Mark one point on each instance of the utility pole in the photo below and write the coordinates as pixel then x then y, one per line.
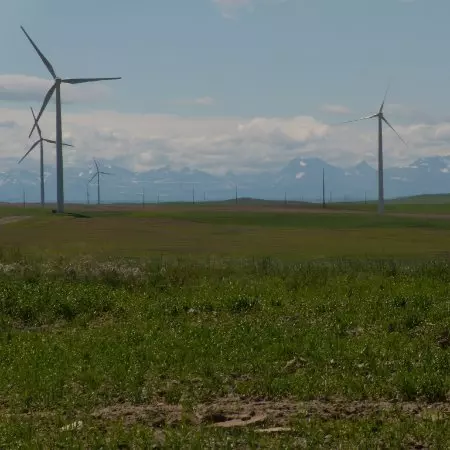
pixel 193 194
pixel 23 197
pixel 157 198
pixel 323 188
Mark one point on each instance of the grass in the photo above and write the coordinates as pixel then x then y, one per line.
pixel 201 234
pixel 144 326
pixel 79 337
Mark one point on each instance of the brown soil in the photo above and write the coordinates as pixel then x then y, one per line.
pixel 235 412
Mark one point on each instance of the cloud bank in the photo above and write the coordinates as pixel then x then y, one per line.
pixel 219 144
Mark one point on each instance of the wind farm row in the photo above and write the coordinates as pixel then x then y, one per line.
pixel 56 89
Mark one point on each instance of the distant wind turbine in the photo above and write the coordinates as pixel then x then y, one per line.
pixel 41 141
pixel 142 194
pixel 56 87
pixel 97 174
pixel 381 119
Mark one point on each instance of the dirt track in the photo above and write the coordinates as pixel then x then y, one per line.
pixel 12 219
pixel 236 412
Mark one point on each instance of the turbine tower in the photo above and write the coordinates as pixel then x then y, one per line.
pixel 40 141
pixel 97 174
pixel 56 87
pixel 381 118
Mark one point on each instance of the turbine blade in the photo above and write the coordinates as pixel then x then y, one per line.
pixel 393 129
pixel 51 141
pixel 87 80
pixel 361 118
pixel 32 112
pixel 385 95
pixel 29 151
pixel 106 173
pixel 96 165
pixel 44 105
pixel 36 122
pixel 93 176
pixel 44 59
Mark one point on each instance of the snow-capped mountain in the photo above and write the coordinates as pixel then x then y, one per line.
pixel 300 179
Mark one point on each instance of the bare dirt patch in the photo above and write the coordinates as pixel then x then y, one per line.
pixel 235 412
pixel 12 219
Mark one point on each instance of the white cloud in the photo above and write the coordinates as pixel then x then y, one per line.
pixel 218 144
pixel 204 101
pixel 23 88
pixel 335 109
pixel 229 8
pixel 200 101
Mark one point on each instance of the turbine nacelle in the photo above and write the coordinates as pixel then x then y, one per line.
pixel 41 139
pixel 98 172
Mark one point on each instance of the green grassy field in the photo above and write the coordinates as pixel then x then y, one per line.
pixel 204 233
pixel 185 328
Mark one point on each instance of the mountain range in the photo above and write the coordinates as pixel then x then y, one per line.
pixel 300 179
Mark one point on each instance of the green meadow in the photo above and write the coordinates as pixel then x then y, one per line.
pixel 202 327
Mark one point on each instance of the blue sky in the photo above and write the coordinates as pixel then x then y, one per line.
pixel 239 61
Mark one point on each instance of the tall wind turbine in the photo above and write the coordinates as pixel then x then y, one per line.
pixel 56 87
pixel 381 118
pixel 97 174
pixel 40 141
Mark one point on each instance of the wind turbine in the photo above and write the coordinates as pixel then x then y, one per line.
pixel 97 174
pixel 142 194
pixel 40 141
pixel 56 87
pixel 381 119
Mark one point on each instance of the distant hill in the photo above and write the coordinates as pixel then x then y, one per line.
pixel 432 199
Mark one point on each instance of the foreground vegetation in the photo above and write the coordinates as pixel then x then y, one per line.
pixel 351 353
pixel 196 327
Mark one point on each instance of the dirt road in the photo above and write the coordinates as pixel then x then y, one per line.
pixel 12 219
